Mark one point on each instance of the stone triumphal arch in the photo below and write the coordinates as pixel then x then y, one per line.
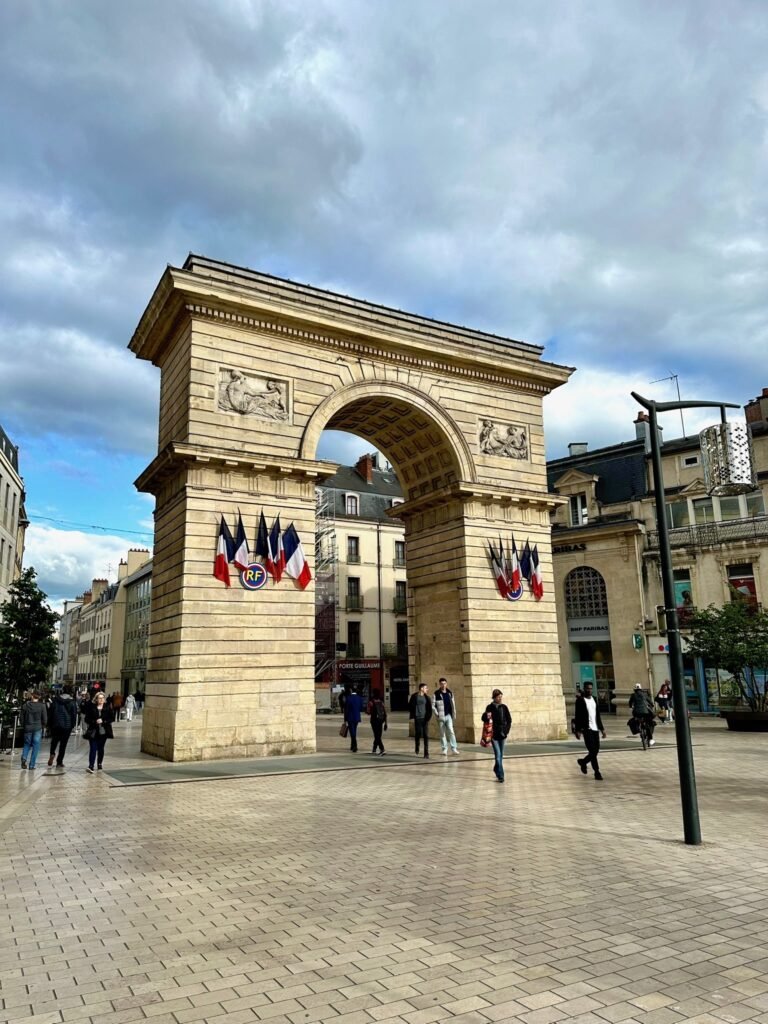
pixel 253 369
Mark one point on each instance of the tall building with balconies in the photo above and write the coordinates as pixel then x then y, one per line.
pixel 361 594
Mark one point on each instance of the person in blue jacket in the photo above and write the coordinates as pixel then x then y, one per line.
pixel 353 710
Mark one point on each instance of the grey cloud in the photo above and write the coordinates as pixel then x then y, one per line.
pixel 587 176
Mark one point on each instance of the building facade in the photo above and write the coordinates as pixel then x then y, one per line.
pixel 101 626
pixel 606 560
pixel 13 520
pixel 361 596
pixel 138 597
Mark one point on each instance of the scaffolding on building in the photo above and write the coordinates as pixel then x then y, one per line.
pixel 326 596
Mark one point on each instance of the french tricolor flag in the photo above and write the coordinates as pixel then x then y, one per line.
pixel 276 556
pixel 225 549
pixel 295 560
pixel 240 557
pixel 537 581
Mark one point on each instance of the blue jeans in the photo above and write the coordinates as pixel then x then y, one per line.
pixel 32 741
pixel 96 750
pixel 447 735
pixel 498 753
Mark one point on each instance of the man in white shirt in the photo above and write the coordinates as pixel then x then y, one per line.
pixel 588 721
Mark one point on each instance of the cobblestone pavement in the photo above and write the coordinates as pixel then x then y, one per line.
pixel 421 893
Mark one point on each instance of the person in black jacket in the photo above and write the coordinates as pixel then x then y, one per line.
pixel 62 716
pixel 499 715
pixel 588 721
pixel 98 719
pixel 420 710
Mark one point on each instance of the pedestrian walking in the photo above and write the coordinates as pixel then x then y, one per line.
pixel 589 722
pixel 98 719
pixel 445 708
pixel 34 718
pixel 378 715
pixel 420 710
pixel 353 712
pixel 62 716
pixel 130 707
pixel 139 695
pixel 497 713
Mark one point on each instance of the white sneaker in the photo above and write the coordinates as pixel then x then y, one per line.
pixel 652 743
pixel 444 753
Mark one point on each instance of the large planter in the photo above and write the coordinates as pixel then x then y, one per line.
pixel 746 721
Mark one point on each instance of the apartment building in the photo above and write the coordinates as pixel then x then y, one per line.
pixel 606 560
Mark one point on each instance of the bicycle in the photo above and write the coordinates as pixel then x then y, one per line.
pixel 645 733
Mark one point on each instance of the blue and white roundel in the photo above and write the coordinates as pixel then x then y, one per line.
pixel 515 595
pixel 254 577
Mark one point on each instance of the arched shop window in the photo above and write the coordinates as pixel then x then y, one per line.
pixel 585 595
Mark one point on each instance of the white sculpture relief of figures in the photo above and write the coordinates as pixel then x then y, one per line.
pixel 505 440
pixel 250 395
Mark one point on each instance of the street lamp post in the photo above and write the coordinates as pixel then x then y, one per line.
pixel 689 800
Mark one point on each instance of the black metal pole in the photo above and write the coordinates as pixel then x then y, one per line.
pixel 691 826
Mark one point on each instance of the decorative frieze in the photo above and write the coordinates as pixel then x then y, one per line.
pixel 503 440
pixel 263 398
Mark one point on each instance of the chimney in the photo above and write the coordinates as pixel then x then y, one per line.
pixel 364 468
pixel 136 558
pixel 756 411
pixel 122 569
pixel 578 448
pixel 97 589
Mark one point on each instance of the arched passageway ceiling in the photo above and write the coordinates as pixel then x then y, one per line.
pixel 414 443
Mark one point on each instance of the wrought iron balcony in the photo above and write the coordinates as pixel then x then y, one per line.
pixel 353 651
pixel 399 563
pixel 712 535
pixel 399 606
pixel 353 559
pixel 354 602
pixel 394 651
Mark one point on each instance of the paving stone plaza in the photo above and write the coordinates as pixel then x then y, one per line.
pixel 411 892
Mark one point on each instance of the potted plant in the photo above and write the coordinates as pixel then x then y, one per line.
pixel 735 638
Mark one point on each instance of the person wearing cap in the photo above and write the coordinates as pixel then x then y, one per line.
pixel 642 708
pixel 498 714
pixel 588 722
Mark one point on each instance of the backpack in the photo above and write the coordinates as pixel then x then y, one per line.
pixel 378 711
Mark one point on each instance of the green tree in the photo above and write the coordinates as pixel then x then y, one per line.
pixel 28 646
pixel 735 638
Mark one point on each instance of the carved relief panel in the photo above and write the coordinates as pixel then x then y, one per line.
pixel 262 397
pixel 503 440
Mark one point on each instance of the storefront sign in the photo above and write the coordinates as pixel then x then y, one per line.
pixel 562 549
pixel 584 630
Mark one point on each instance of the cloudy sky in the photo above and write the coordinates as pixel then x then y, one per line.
pixel 591 177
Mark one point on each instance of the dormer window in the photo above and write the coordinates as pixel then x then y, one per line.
pixel 351 504
pixel 578 504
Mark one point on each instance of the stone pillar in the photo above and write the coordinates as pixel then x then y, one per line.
pixel 231 671
pixel 463 629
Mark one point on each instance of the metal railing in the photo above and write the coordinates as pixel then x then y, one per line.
pixel 352 651
pixel 394 651
pixel 353 559
pixel 710 535
pixel 355 602
pixel 399 606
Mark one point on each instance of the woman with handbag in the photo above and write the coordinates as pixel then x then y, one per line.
pixel 497 723
pixel 98 720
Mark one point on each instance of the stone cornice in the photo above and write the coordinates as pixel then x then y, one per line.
pixel 178 455
pixel 475 357
pixel 485 494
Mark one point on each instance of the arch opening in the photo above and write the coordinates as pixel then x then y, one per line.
pixel 422 443
pixel 589 634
